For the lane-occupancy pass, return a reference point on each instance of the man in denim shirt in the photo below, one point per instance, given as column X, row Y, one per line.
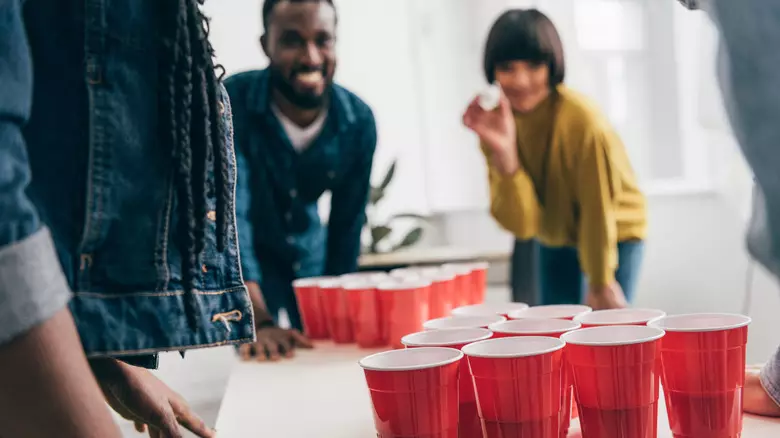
column 117, row 225
column 297, row 136
column 750, row 81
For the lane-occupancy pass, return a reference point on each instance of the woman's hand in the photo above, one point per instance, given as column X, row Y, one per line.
column 137, row 395
column 497, row 131
column 607, row 297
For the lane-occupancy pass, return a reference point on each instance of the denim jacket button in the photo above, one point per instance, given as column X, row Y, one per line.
column 221, row 108
column 204, row 269
column 212, row 215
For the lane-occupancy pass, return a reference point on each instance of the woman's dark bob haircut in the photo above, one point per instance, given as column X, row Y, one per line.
column 525, row 35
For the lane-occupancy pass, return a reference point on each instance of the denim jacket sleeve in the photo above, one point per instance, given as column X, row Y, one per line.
column 348, row 206
column 32, row 285
column 250, row 265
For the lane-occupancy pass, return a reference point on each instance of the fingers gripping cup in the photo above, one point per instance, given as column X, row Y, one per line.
column 555, row 311
column 311, row 307
column 703, row 361
column 502, row 309
column 616, row 380
column 601, row 318
column 518, row 386
column 414, row 392
column 553, row 328
column 469, row 425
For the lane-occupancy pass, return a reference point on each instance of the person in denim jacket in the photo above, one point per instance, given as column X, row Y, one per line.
column 749, row 77
column 117, row 182
column 297, row 136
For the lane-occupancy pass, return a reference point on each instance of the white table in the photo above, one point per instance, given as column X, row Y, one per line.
column 322, row 393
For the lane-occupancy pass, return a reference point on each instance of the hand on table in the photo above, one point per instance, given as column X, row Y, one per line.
column 497, row 131
column 274, row 343
column 137, row 395
column 756, row 399
column 606, row 297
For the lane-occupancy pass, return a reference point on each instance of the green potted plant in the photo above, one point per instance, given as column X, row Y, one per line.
column 379, row 232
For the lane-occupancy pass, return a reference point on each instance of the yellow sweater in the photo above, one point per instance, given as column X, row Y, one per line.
column 590, row 198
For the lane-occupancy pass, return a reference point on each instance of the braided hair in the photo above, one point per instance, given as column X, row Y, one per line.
column 190, row 111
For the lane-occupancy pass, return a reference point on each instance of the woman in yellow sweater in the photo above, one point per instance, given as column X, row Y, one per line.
column 558, row 171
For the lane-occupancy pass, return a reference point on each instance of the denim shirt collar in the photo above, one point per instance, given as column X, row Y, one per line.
column 340, row 106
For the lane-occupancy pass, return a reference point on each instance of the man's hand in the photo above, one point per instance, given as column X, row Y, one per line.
column 137, row 395
column 274, row 343
column 606, row 297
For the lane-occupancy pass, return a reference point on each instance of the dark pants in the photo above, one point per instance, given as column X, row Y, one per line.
column 525, row 272
column 561, row 280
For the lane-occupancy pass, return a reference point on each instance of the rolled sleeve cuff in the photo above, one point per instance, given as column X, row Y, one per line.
column 770, row 378
column 32, row 285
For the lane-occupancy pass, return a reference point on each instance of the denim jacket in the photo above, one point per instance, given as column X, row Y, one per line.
column 86, row 195
column 278, row 188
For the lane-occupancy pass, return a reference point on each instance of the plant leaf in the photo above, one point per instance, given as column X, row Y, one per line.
column 411, row 238
column 376, row 195
column 379, row 233
column 388, row 176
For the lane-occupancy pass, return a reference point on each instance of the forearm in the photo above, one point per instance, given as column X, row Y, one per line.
column 262, row 315
column 47, row 386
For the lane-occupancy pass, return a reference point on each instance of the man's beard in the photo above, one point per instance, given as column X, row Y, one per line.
column 301, row 100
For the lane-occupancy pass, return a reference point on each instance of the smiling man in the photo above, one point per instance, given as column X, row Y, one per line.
column 297, row 136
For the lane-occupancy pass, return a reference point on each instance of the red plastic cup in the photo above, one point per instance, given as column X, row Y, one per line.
column 403, row 308
column 453, row 322
column 336, row 307
column 363, row 303
column 404, row 273
column 616, row 379
column 601, row 318
column 518, row 385
column 479, row 281
column 469, row 425
column 484, row 309
column 555, row 311
column 554, row 328
column 703, row 361
column 442, row 294
column 414, row 392
column 463, row 283
column 311, row 307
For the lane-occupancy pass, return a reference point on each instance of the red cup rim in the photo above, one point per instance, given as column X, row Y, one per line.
column 508, row 348
column 311, row 281
column 403, row 284
column 457, row 268
column 551, row 312
column 334, row 283
column 411, row 359
column 532, row 326
column 359, row 284
column 451, row 322
column 620, row 316
column 610, row 336
column 436, row 274
column 479, row 265
column 370, row 276
column 446, row 337
column 701, row 322
column 488, row 309
column 403, row 273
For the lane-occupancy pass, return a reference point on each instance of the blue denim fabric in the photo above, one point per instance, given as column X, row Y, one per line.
column 281, row 234
column 561, row 279
column 80, row 74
